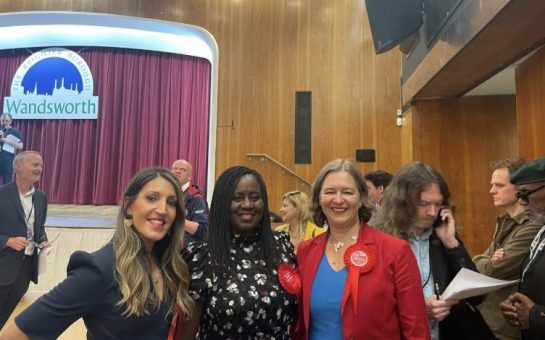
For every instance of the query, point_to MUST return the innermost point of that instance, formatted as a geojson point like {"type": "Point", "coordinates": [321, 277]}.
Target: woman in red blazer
{"type": "Point", "coordinates": [357, 282]}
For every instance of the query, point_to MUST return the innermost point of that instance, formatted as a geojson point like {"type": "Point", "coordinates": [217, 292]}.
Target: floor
{"type": "Point", "coordinates": [73, 227]}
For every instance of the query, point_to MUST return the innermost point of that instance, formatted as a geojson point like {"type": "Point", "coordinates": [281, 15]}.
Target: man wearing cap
{"type": "Point", "coordinates": [526, 309]}
{"type": "Point", "coordinates": [515, 230]}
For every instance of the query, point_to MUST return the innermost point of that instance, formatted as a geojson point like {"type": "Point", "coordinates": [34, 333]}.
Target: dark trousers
{"type": "Point", "coordinates": [6, 167]}
{"type": "Point", "coordinates": [10, 295]}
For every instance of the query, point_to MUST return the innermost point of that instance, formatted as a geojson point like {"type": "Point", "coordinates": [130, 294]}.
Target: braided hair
{"type": "Point", "coordinates": [220, 214]}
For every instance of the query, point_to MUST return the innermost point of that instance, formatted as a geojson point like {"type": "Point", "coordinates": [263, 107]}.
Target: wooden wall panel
{"type": "Point", "coordinates": [460, 137]}
{"type": "Point", "coordinates": [530, 82]}
{"type": "Point", "coordinates": [269, 49]}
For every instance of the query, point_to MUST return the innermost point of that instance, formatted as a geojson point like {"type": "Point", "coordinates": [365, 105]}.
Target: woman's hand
{"type": "Point", "coordinates": [438, 309]}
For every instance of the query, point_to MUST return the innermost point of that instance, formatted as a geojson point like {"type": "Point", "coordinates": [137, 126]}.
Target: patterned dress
{"type": "Point", "coordinates": [247, 302]}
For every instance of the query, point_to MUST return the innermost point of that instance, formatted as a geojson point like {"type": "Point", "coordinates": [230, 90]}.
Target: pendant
{"type": "Point", "coordinates": [337, 245]}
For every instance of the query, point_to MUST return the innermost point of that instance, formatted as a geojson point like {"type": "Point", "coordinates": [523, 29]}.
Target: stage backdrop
{"type": "Point", "coordinates": [153, 109]}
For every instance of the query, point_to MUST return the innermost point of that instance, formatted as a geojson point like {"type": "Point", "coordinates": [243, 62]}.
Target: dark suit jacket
{"type": "Point", "coordinates": [390, 301]}
{"type": "Point", "coordinates": [532, 286]}
{"type": "Point", "coordinates": [464, 320]}
{"type": "Point", "coordinates": [13, 224]}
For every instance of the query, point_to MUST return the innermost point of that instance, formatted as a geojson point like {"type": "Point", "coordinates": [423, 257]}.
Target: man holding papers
{"type": "Point", "coordinates": [526, 309]}
{"type": "Point", "coordinates": [10, 142]}
{"type": "Point", "coordinates": [416, 208]}
{"type": "Point", "coordinates": [23, 210]}
{"type": "Point", "coordinates": [515, 230]}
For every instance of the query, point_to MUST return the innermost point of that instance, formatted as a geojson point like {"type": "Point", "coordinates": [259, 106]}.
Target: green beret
{"type": "Point", "coordinates": [531, 172]}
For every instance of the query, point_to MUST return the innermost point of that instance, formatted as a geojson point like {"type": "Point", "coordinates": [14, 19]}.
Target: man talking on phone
{"type": "Point", "coordinates": [416, 208]}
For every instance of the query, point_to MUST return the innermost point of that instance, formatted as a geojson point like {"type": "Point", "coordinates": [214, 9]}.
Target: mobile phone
{"type": "Point", "coordinates": [438, 221]}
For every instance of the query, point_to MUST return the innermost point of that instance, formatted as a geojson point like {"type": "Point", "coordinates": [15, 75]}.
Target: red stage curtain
{"type": "Point", "coordinates": [153, 109]}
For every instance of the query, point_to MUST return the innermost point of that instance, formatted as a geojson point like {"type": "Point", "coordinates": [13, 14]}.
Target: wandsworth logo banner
{"type": "Point", "coordinates": [53, 83]}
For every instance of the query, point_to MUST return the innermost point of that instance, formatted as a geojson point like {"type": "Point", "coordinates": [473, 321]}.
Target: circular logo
{"type": "Point", "coordinates": [359, 258]}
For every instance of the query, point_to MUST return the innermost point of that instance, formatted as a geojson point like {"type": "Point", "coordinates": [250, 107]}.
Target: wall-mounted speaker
{"type": "Point", "coordinates": [392, 21]}
{"type": "Point", "coordinates": [303, 127]}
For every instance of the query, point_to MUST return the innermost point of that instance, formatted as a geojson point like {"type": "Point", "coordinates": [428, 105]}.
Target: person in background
{"type": "Point", "coordinates": [296, 213]}
{"type": "Point", "coordinates": [515, 230]}
{"type": "Point", "coordinates": [242, 276]}
{"type": "Point", "coordinates": [377, 181]}
{"type": "Point", "coordinates": [416, 208]}
{"type": "Point", "coordinates": [11, 141]}
{"type": "Point", "coordinates": [525, 310]}
{"type": "Point", "coordinates": [357, 282]}
{"type": "Point", "coordinates": [129, 288]}
{"type": "Point", "coordinates": [196, 222]}
{"type": "Point", "coordinates": [23, 210]}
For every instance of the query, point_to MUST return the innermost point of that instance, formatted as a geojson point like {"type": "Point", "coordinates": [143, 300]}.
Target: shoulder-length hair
{"type": "Point", "coordinates": [364, 213]}
{"type": "Point", "coordinates": [299, 200]}
{"type": "Point", "coordinates": [401, 198]}
{"type": "Point", "coordinates": [132, 267]}
{"type": "Point", "coordinates": [220, 219]}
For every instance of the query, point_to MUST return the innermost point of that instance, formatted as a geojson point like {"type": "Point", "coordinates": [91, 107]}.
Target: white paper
{"type": "Point", "coordinates": [42, 260]}
{"type": "Point", "coordinates": [468, 283]}
{"type": "Point", "coordinates": [9, 148]}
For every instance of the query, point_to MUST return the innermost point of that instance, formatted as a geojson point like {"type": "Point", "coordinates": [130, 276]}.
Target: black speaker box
{"type": "Point", "coordinates": [392, 21]}
{"type": "Point", "coordinates": [303, 127]}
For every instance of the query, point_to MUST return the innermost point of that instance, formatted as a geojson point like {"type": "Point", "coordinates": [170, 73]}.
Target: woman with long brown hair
{"type": "Point", "coordinates": [128, 288]}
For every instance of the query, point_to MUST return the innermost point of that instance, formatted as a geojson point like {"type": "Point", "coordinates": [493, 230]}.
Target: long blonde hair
{"type": "Point", "coordinates": [132, 266]}
{"type": "Point", "coordinates": [301, 203]}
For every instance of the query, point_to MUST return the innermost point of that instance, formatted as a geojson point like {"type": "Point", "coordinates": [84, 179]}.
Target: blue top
{"type": "Point", "coordinates": [91, 292]}
{"type": "Point", "coordinates": [421, 249]}
{"type": "Point", "coordinates": [325, 302]}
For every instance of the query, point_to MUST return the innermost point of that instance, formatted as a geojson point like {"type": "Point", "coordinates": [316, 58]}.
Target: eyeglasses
{"type": "Point", "coordinates": [524, 196]}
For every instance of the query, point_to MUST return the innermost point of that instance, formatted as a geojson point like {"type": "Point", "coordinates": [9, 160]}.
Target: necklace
{"type": "Point", "coordinates": [339, 244]}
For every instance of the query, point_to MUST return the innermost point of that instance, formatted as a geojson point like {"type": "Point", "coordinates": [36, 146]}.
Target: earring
{"type": "Point", "coordinates": [127, 222]}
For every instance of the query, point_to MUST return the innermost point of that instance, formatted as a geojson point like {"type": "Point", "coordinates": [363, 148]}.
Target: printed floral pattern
{"type": "Point", "coordinates": [249, 302]}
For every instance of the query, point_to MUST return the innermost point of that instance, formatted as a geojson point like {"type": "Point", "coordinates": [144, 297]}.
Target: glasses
{"type": "Point", "coordinates": [524, 196]}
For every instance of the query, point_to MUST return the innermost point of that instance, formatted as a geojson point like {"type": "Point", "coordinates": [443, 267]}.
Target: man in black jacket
{"type": "Point", "coordinates": [416, 208]}
{"type": "Point", "coordinates": [526, 309]}
{"type": "Point", "coordinates": [23, 210]}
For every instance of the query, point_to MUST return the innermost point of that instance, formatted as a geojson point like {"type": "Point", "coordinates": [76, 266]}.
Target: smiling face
{"type": "Point", "coordinates": [29, 169]}
{"type": "Point", "coordinates": [247, 206]}
{"type": "Point", "coordinates": [340, 200]}
{"type": "Point", "coordinates": [154, 210]}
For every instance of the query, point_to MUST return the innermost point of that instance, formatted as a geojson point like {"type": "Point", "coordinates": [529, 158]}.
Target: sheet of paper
{"type": "Point", "coordinates": [9, 148]}
{"type": "Point", "coordinates": [468, 283]}
{"type": "Point", "coordinates": [42, 260]}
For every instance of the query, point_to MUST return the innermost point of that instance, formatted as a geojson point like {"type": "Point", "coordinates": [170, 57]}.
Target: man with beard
{"type": "Point", "coordinates": [526, 309]}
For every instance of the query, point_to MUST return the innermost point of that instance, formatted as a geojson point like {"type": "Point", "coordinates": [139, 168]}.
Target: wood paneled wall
{"type": "Point", "coordinates": [530, 81]}
{"type": "Point", "coordinates": [460, 137]}
{"type": "Point", "coordinates": [269, 49]}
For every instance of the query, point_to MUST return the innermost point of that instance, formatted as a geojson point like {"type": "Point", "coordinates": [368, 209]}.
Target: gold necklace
{"type": "Point", "coordinates": [339, 244]}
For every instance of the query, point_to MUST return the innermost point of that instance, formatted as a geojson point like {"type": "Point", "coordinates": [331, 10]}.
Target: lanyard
{"type": "Point", "coordinates": [537, 246]}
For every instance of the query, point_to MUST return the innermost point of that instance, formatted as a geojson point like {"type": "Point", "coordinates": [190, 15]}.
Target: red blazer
{"type": "Point", "coordinates": [390, 300]}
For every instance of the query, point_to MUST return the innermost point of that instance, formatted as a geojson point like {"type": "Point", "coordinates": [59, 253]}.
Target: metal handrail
{"type": "Point", "coordinates": [286, 169]}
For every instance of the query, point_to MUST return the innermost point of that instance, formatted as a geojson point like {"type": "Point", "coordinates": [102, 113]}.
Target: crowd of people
{"type": "Point", "coordinates": [365, 257]}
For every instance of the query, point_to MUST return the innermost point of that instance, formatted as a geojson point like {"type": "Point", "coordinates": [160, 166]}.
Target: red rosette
{"type": "Point", "coordinates": [359, 259]}
{"type": "Point", "coordinates": [289, 278]}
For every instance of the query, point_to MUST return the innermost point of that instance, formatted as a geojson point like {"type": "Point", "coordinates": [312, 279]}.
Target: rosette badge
{"type": "Point", "coordinates": [289, 278]}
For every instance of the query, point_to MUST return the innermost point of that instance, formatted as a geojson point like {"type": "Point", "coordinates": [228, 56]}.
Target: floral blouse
{"type": "Point", "coordinates": [248, 302]}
